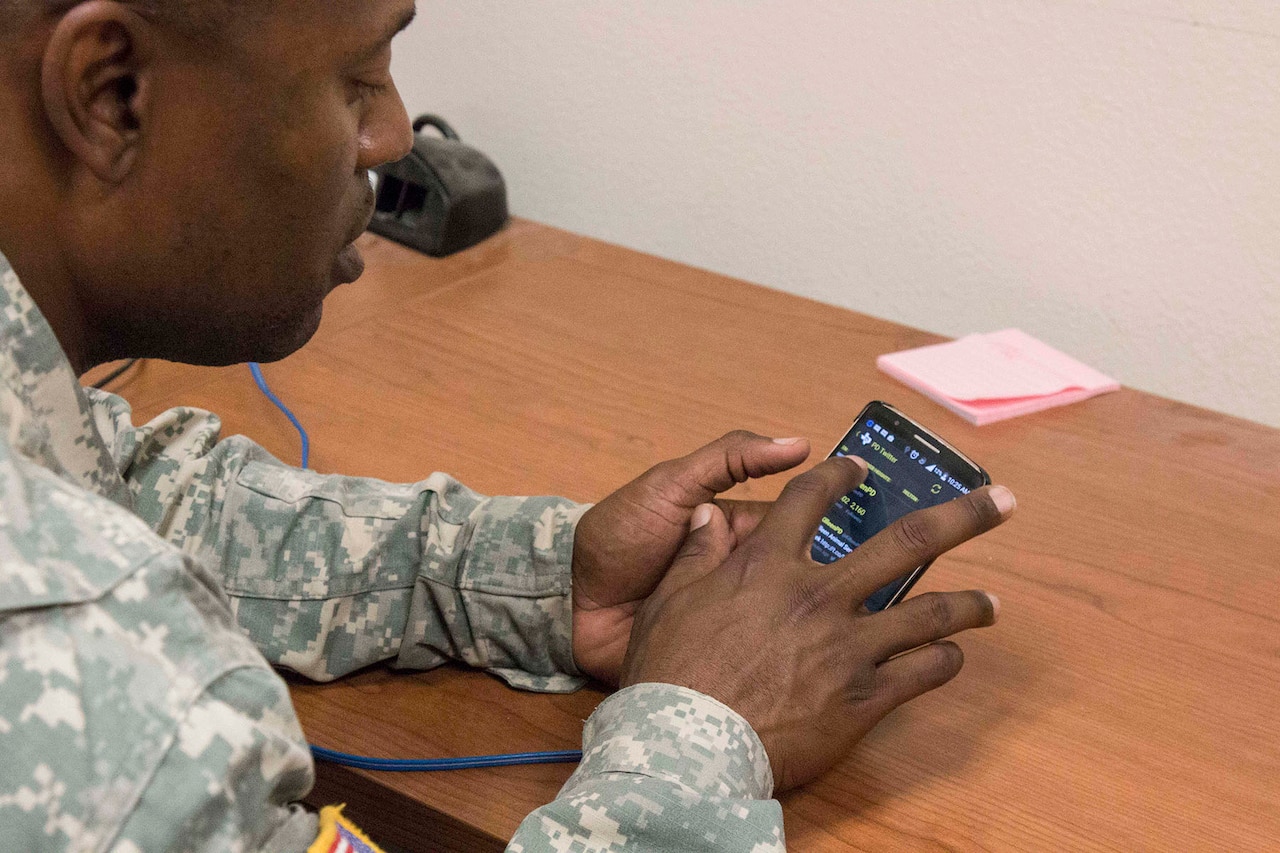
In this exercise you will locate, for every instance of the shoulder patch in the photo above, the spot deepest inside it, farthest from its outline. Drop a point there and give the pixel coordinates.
(339, 835)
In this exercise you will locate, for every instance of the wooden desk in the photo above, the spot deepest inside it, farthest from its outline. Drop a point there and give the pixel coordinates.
(1127, 700)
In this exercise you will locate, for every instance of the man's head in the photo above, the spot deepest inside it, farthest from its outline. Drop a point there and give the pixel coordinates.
(182, 178)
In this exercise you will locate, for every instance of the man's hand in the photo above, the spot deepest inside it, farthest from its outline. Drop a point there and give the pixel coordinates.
(625, 543)
(784, 641)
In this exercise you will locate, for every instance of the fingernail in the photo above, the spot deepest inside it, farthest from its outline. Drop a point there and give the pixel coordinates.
(787, 440)
(701, 515)
(995, 606)
(856, 461)
(1004, 500)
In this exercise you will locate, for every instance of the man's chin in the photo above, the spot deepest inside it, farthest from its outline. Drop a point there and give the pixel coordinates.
(274, 345)
(247, 342)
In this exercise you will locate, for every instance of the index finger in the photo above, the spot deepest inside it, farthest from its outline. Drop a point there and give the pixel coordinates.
(921, 537)
(793, 519)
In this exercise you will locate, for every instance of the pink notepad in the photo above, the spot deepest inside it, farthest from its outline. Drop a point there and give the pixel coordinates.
(987, 378)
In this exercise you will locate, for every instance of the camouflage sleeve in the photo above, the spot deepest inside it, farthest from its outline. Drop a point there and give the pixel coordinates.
(219, 786)
(111, 752)
(134, 714)
(663, 768)
(329, 573)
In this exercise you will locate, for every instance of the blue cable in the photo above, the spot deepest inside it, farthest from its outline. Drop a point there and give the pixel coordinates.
(256, 370)
(365, 762)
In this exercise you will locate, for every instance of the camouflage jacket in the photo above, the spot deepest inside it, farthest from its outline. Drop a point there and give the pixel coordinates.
(145, 572)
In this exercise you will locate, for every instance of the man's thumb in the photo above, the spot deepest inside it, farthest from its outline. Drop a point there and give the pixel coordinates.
(724, 463)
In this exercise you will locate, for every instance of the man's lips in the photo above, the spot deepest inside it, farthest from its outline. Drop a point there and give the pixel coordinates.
(349, 264)
(363, 225)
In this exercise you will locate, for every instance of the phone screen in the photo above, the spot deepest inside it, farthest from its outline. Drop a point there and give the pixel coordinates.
(909, 468)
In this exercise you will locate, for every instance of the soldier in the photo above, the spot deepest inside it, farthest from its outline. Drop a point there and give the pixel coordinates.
(183, 179)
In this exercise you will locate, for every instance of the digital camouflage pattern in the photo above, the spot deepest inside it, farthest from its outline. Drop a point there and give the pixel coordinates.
(137, 712)
(663, 768)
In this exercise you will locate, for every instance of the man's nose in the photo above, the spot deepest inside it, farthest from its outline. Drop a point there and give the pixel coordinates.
(387, 134)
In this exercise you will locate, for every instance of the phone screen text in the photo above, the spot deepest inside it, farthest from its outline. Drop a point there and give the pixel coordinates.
(903, 476)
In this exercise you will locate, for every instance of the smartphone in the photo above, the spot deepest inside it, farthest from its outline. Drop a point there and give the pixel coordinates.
(909, 468)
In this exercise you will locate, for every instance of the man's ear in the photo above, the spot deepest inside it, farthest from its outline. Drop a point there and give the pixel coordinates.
(96, 85)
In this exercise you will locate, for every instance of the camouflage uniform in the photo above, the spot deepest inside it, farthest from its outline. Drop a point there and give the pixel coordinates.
(145, 572)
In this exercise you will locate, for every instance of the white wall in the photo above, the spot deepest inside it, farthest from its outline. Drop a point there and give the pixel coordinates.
(1102, 173)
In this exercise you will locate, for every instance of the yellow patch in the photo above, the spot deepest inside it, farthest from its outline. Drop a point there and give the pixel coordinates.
(339, 835)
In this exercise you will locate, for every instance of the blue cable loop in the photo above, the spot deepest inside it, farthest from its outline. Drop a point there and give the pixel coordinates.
(256, 370)
(366, 762)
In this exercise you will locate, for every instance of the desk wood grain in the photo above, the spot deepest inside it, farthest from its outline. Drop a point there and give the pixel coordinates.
(1127, 700)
